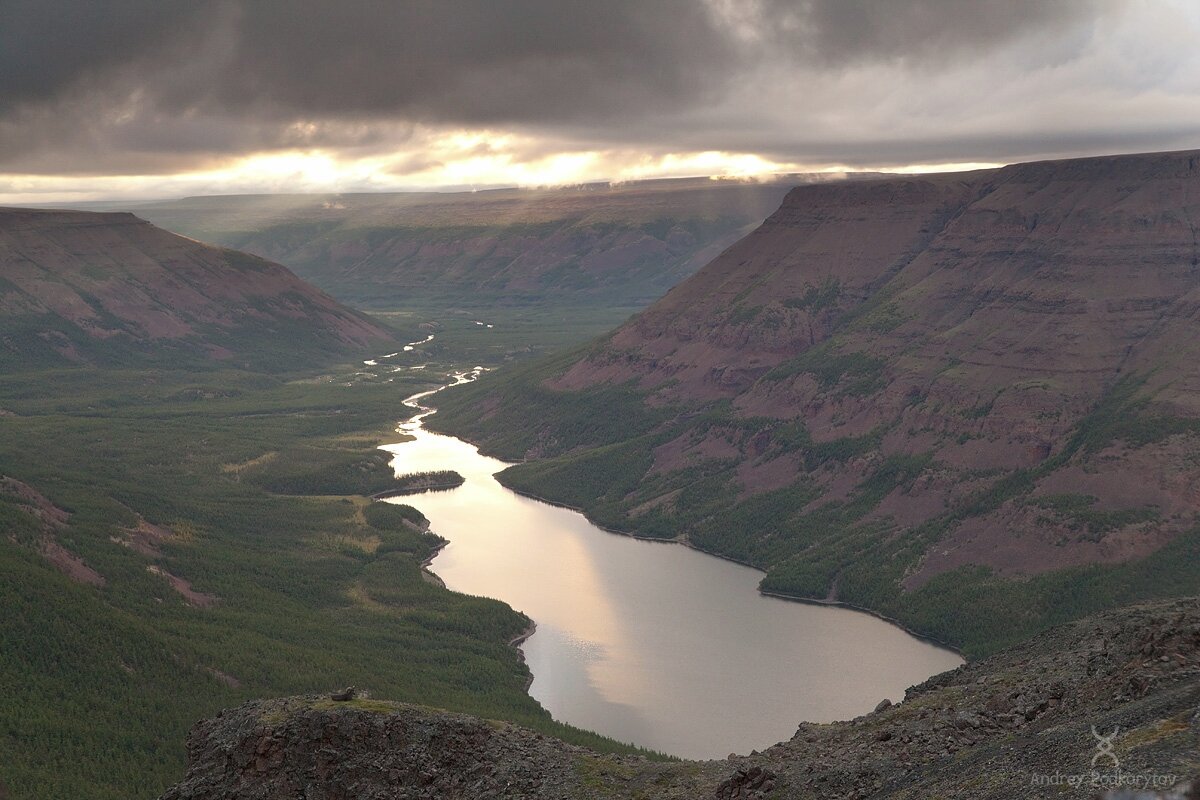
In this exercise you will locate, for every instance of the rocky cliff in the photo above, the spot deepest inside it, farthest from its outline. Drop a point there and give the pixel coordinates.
(622, 245)
(895, 384)
(1019, 724)
(80, 287)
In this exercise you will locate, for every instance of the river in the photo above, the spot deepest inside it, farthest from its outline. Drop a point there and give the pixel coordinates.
(647, 642)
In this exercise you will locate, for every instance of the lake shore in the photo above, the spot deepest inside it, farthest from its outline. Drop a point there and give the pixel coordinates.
(680, 540)
(616, 618)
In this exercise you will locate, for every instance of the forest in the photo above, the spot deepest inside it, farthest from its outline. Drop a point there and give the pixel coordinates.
(227, 515)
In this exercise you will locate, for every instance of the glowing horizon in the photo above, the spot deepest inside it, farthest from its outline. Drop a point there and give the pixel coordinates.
(456, 166)
(373, 97)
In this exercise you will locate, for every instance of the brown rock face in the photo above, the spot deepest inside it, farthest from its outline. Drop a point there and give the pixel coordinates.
(88, 287)
(1011, 353)
(781, 289)
(1049, 268)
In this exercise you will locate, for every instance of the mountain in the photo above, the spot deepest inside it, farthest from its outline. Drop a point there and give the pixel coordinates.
(595, 244)
(83, 287)
(1019, 724)
(968, 401)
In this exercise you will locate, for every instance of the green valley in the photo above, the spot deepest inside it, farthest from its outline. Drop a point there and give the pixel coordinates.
(226, 573)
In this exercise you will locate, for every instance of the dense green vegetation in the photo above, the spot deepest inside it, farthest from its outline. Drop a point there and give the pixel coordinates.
(864, 373)
(464, 337)
(386, 516)
(309, 469)
(1077, 511)
(595, 450)
(817, 298)
(252, 487)
(413, 482)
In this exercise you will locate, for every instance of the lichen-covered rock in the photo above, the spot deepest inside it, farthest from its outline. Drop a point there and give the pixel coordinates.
(319, 749)
(1027, 722)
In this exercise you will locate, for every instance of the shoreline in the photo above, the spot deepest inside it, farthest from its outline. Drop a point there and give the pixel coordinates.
(440, 487)
(427, 573)
(813, 601)
(427, 564)
(764, 592)
(529, 630)
(517, 641)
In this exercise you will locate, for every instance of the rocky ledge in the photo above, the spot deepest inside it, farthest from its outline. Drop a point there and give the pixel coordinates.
(1108, 706)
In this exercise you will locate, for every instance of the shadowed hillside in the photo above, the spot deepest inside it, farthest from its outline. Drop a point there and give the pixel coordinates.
(80, 287)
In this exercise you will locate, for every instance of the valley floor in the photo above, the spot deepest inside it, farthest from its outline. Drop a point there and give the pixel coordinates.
(178, 542)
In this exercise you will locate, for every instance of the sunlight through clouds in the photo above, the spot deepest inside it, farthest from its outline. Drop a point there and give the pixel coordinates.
(231, 103)
(454, 160)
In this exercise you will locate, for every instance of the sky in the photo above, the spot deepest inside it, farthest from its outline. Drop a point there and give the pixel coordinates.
(161, 98)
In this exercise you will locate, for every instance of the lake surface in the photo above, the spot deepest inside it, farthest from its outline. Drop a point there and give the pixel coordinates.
(654, 643)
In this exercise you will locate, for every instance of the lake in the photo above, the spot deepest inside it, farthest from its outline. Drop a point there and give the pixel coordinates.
(648, 642)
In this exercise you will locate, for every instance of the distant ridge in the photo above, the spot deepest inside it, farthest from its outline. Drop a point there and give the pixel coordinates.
(596, 244)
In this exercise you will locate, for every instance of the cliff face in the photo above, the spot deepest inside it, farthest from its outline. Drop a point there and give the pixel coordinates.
(781, 289)
(976, 318)
(1049, 269)
(619, 245)
(79, 287)
(932, 374)
(1001, 728)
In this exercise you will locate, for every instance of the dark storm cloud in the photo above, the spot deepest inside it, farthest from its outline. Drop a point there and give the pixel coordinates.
(47, 48)
(173, 81)
(529, 60)
(468, 60)
(839, 32)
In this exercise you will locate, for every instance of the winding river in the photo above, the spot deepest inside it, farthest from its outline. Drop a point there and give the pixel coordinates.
(653, 643)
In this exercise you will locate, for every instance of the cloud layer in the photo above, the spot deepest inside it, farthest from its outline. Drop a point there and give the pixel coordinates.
(147, 87)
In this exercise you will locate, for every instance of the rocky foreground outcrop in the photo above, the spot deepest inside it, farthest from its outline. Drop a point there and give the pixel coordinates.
(1105, 704)
(83, 287)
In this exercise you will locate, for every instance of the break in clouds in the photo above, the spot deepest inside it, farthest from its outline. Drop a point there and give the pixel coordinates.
(146, 87)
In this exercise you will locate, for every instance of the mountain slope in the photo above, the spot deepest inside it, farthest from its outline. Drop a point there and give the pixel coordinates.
(81, 287)
(905, 393)
(594, 244)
